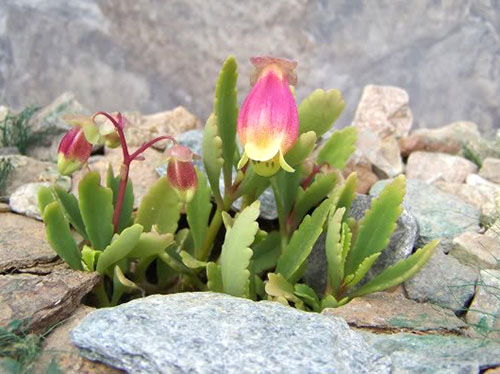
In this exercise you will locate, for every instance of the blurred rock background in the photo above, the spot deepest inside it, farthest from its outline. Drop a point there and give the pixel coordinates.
(154, 55)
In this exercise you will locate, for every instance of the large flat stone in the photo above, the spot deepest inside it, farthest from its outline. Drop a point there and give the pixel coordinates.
(216, 333)
(22, 243)
(477, 250)
(392, 312)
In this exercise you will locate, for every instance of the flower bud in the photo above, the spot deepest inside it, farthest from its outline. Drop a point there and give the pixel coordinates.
(180, 171)
(268, 122)
(74, 151)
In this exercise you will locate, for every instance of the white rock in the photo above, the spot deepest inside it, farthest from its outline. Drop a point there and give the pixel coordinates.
(24, 199)
(477, 250)
(432, 167)
(491, 169)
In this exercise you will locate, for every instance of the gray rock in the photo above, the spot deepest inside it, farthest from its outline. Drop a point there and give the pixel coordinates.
(443, 281)
(216, 333)
(400, 246)
(338, 44)
(439, 215)
(436, 354)
(4, 151)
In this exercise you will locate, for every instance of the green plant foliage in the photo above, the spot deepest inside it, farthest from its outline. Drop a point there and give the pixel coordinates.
(212, 154)
(302, 241)
(287, 184)
(214, 277)
(15, 130)
(89, 258)
(71, 210)
(398, 273)
(236, 253)
(119, 248)
(159, 208)
(128, 200)
(339, 147)
(151, 244)
(122, 285)
(266, 252)
(320, 110)
(378, 224)
(44, 198)
(59, 236)
(353, 279)
(226, 112)
(302, 148)
(282, 290)
(198, 213)
(348, 194)
(96, 208)
(334, 251)
(308, 296)
(5, 169)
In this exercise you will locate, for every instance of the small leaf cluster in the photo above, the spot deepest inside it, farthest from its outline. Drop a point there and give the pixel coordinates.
(171, 245)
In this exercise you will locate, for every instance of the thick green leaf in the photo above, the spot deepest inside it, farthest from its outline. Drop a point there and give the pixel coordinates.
(346, 244)
(287, 184)
(319, 190)
(236, 253)
(266, 252)
(362, 269)
(330, 302)
(278, 286)
(377, 225)
(198, 212)
(307, 294)
(128, 198)
(334, 249)
(160, 208)
(226, 112)
(338, 148)
(214, 277)
(45, 197)
(320, 110)
(150, 244)
(119, 249)
(399, 272)
(302, 241)
(59, 235)
(348, 194)
(211, 150)
(71, 211)
(121, 285)
(301, 149)
(89, 257)
(191, 262)
(96, 208)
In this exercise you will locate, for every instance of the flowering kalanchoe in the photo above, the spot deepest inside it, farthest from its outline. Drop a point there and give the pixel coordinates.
(74, 151)
(98, 131)
(268, 122)
(180, 171)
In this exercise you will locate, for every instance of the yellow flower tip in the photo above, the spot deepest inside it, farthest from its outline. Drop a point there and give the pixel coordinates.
(243, 161)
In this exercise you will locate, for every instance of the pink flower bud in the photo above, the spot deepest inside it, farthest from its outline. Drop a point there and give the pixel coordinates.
(180, 171)
(268, 122)
(74, 151)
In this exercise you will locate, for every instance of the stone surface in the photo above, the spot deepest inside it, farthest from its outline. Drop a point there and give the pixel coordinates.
(490, 169)
(384, 111)
(24, 199)
(170, 122)
(439, 215)
(27, 170)
(43, 300)
(400, 246)
(383, 154)
(4, 208)
(484, 311)
(58, 350)
(171, 52)
(432, 167)
(444, 281)
(387, 312)
(22, 243)
(446, 139)
(215, 333)
(4, 151)
(363, 168)
(417, 354)
(477, 250)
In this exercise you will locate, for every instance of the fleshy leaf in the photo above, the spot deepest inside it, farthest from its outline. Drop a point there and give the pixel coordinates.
(362, 270)
(301, 149)
(236, 253)
(150, 244)
(378, 224)
(214, 277)
(282, 290)
(191, 262)
(348, 194)
(320, 110)
(128, 199)
(399, 272)
(121, 246)
(226, 112)
(339, 147)
(266, 252)
(96, 208)
(346, 243)
(198, 212)
(71, 211)
(89, 257)
(334, 250)
(121, 285)
(59, 235)
(160, 208)
(314, 194)
(308, 296)
(212, 154)
(287, 184)
(44, 197)
(302, 241)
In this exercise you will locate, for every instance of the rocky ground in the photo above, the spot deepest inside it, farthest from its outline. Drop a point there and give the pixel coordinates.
(443, 320)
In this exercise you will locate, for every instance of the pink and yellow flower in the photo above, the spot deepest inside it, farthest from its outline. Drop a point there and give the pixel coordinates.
(268, 122)
(74, 151)
(180, 171)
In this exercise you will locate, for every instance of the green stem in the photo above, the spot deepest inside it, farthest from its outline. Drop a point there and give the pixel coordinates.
(210, 236)
(281, 213)
(100, 292)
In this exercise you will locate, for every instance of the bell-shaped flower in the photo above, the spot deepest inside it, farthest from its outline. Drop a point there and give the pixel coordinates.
(268, 122)
(180, 171)
(74, 151)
